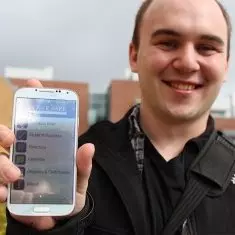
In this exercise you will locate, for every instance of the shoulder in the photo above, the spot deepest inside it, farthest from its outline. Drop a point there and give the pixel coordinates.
(96, 130)
(225, 141)
(105, 132)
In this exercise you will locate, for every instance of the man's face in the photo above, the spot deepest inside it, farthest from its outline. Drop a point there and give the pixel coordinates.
(182, 57)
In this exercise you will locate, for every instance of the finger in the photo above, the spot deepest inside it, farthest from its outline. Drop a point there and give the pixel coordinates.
(3, 193)
(7, 137)
(84, 164)
(43, 223)
(34, 83)
(8, 171)
(37, 222)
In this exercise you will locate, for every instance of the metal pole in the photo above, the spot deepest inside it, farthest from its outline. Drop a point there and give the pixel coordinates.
(231, 105)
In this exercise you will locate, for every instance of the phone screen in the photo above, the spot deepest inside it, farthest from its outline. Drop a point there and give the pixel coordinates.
(44, 151)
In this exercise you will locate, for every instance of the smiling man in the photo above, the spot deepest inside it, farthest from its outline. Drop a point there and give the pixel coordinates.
(181, 56)
(163, 168)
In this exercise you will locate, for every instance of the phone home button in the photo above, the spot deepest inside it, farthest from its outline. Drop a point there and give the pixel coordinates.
(41, 209)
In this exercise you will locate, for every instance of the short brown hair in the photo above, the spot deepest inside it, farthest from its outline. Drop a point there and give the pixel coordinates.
(145, 5)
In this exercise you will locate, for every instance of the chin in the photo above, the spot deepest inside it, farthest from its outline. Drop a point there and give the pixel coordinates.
(183, 116)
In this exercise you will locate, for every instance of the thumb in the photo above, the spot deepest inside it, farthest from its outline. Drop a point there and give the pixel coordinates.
(84, 165)
(33, 83)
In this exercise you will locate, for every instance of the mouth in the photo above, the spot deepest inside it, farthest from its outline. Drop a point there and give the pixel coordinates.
(183, 86)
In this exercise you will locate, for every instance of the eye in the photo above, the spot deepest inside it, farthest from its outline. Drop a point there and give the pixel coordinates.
(168, 45)
(206, 49)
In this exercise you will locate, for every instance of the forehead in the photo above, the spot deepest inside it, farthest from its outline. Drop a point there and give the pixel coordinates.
(186, 16)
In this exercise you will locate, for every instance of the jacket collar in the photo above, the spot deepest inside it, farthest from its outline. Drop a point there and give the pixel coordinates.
(118, 160)
(214, 165)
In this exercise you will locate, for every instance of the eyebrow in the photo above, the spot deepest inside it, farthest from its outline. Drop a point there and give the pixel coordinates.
(162, 32)
(213, 38)
(170, 32)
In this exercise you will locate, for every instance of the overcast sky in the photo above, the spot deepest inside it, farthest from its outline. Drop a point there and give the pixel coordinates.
(84, 40)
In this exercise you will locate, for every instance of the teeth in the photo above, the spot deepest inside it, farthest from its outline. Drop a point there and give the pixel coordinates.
(181, 86)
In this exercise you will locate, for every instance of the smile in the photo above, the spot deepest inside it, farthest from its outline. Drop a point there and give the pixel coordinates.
(183, 86)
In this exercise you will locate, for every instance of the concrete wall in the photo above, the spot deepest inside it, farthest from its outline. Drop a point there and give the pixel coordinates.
(6, 102)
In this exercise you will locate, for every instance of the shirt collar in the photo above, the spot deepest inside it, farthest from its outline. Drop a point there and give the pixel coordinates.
(135, 129)
(134, 122)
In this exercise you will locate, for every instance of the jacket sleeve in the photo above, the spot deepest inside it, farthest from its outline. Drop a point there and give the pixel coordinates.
(72, 226)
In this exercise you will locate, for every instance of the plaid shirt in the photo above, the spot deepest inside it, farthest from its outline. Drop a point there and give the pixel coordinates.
(137, 137)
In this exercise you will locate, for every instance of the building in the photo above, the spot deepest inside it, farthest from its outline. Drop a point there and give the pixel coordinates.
(98, 108)
(125, 93)
(122, 94)
(219, 113)
(81, 89)
(46, 73)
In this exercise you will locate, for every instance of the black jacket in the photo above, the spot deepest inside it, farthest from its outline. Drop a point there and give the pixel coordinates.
(115, 205)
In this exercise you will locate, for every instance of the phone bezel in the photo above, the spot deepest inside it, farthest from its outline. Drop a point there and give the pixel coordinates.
(45, 209)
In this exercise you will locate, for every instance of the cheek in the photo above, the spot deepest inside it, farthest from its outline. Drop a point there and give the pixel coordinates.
(215, 70)
(160, 61)
(215, 76)
(153, 62)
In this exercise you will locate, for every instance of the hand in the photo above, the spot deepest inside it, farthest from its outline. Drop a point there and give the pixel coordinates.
(10, 173)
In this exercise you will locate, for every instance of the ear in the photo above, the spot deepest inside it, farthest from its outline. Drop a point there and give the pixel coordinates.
(133, 55)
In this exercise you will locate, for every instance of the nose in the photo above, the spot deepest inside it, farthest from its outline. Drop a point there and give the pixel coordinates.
(186, 60)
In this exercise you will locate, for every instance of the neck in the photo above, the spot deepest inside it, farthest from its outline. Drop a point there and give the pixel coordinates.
(168, 137)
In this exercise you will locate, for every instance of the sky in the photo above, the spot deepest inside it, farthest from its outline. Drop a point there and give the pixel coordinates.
(84, 40)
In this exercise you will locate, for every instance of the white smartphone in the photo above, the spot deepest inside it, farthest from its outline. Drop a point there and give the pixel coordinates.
(45, 123)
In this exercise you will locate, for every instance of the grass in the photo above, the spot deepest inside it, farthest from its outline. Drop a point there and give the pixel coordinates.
(2, 219)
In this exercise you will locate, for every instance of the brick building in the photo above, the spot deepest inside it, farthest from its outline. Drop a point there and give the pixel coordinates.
(124, 93)
(81, 89)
